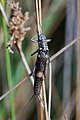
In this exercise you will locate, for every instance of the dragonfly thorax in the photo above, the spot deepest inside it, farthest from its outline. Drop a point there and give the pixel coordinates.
(42, 42)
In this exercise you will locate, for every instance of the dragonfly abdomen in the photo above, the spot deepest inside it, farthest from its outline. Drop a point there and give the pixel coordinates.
(39, 74)
(37, 85)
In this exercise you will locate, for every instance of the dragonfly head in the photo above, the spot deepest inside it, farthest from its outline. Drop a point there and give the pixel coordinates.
(43, 41)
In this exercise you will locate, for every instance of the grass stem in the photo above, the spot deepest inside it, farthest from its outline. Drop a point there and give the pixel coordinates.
(50, 83)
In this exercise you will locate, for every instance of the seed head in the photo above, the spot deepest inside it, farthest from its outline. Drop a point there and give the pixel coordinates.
(17, 29)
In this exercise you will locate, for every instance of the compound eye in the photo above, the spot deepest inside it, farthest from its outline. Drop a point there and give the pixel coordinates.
(42, 37)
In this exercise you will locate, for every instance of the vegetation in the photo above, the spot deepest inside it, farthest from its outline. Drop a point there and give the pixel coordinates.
(60, 19)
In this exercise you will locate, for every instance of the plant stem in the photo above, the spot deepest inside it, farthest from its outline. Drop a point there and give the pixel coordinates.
(8, 67)
(45, 101)
(4, 14)
(39, 28)
(50, 83)
(78, 64)
(25, 63)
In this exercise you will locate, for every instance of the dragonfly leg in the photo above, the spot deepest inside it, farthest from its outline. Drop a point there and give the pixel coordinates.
(32, 72)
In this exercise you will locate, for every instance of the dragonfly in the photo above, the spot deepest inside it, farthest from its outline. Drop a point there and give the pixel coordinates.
(41, 63)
